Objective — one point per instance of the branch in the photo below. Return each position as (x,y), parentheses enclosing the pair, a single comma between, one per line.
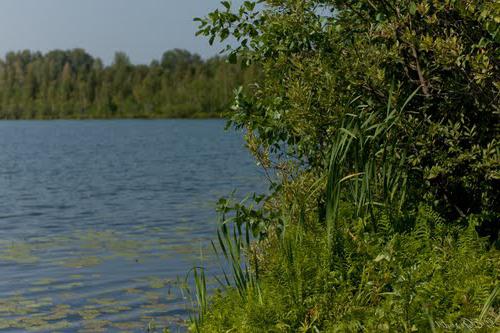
(423,82)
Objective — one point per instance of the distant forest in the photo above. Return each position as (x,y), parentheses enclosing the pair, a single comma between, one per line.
(73,84)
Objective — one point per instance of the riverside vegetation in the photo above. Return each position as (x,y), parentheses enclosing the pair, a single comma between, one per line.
(377,123)
(73,84)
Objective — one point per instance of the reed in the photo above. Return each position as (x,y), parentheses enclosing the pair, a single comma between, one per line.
(367,164)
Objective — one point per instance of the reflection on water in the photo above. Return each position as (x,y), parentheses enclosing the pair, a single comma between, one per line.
(99,219)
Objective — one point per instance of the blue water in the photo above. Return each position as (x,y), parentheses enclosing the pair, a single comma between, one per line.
(99,219)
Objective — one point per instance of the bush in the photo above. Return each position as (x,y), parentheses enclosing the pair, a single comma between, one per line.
(380,122)
(322,60)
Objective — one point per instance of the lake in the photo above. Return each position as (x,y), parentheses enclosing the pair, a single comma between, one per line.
(98,219)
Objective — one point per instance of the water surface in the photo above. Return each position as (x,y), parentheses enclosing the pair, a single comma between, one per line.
(99,218)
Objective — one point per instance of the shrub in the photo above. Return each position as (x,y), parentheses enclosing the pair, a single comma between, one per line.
(380,122)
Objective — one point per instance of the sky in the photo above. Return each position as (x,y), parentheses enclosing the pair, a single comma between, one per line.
(144,29)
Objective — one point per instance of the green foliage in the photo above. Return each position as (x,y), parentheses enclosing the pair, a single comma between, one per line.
(201,299)
(73,84)
(319,56)
(232,243)
(386,114)
(369,162)
(379,283)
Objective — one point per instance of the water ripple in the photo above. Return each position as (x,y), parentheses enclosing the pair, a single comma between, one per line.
(98,219)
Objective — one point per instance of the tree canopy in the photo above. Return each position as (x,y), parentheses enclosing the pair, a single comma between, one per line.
(323,60)
(73,84)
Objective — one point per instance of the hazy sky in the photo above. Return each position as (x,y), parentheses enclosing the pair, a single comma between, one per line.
(144,29)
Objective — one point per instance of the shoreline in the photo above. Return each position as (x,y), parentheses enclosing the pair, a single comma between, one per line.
(112,118)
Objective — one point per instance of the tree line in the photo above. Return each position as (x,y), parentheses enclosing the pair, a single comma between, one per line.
(73,84)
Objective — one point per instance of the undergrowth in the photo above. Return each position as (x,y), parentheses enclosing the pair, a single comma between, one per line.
(425,279)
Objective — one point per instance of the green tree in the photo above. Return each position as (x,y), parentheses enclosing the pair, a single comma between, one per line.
(377,124)
(73,84)
(324,59)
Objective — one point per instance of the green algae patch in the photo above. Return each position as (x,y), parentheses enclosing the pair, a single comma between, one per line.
(60,311)
(157,283)
(43,282)
(74,257)
(88,314)
(49,327)
(133,291)
(116,309)
(131,326)
(104,301)
(95,325)
(41,315)
(19,252)
(82,262)
(19,305)
(68,286)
